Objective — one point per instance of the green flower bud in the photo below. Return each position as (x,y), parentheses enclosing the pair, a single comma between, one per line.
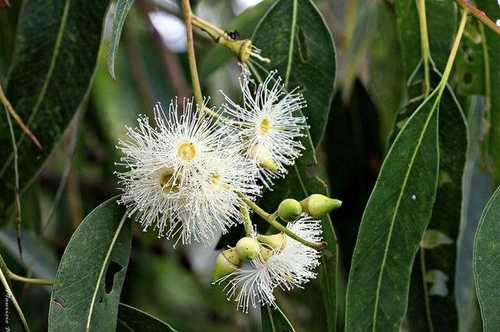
(226,263)
(263,157)
(248,248)
(275,241)
(289,209)
(318,205)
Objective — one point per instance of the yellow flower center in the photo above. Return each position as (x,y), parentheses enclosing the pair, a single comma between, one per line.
(167,183)
(187,151)
(215,179)
(265,125)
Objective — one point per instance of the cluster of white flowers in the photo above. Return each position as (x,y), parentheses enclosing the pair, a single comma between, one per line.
(186,175)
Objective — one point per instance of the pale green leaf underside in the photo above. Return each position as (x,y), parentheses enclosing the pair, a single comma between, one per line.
(122,9)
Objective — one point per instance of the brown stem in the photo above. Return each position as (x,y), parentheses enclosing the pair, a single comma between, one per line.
(480,15)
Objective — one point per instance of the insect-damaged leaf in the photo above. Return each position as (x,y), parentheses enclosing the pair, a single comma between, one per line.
(52,67)
(393,223)
(486,253)
(90,276)
(303,52)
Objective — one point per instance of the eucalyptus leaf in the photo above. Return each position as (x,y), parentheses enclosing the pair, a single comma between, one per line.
(486,253)
(274,320)
(399,208)
(426,312)
(132,319)
(90,277)
(121,12)
(56,50)
(491,44)
(304,54)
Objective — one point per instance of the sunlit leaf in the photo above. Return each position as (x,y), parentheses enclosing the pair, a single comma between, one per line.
(121,11)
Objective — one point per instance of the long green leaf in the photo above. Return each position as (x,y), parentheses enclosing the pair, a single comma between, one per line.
(491,46)
(393,223)
(91,273)
(486,253)
(131,319)
(304,54)
(122,9)
(55,56)
(274,320)
(432,304)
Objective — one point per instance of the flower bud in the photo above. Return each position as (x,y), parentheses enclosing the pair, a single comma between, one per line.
(275,241)
(263,157)
(226,263)
(289,209)
(318,205)
(248,248)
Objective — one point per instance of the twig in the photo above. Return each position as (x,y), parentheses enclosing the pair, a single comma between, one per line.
(480,15)
(17,186)
(188,16)
(18,119)
(424,44)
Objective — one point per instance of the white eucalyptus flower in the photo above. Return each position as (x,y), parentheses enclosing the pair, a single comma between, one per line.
(167,182)
(289,266)
(213,201)
(270,125)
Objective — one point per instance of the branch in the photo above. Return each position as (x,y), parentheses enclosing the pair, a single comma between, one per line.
(480,15)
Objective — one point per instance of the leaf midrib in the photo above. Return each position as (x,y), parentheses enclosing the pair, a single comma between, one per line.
(396,210)
(103,268)
(48,77)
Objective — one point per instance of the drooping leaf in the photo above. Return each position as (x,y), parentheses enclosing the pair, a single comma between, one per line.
(274,320)
(486,253)
(55,55)
(121,12)
(303,53)
(491,44)
(90,277)
(427,311)
(477,188)
(441,25)
(131,319)
(393,224)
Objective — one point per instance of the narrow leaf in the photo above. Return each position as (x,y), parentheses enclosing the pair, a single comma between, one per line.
(486,253)
(57,43)
(91,273)
(393,224)
(131,319)
(275,321)
(122,9)
(438,312)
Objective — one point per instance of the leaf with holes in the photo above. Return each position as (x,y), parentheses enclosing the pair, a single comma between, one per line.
(131,319)
(56,50)
(121,12)
(92,271)
(303,52)
(393,224)
(486,253)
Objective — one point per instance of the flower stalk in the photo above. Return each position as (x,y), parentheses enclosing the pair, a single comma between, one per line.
(272,220)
